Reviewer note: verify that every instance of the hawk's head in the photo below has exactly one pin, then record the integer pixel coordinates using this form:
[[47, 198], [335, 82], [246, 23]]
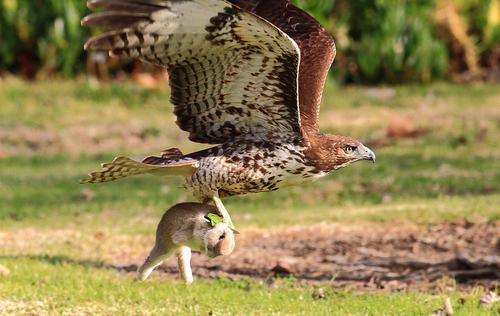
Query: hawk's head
[[336, 152]]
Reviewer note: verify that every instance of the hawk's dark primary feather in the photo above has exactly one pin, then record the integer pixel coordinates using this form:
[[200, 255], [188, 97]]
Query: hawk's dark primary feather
[[317, 51], [232, 74]]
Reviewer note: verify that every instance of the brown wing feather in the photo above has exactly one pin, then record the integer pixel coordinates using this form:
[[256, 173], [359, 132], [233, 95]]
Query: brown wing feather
[[247, 5], [232, 74], [168, 155], [317, 50]]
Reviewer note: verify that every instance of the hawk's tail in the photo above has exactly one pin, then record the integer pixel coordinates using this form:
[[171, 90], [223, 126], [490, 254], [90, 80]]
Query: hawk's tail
[[122, 167]]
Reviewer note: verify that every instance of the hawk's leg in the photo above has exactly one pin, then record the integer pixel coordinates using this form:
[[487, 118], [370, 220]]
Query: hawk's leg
[[222, 210]]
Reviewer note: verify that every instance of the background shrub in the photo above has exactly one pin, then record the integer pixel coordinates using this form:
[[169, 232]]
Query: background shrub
[[377, 40], [42, 35]]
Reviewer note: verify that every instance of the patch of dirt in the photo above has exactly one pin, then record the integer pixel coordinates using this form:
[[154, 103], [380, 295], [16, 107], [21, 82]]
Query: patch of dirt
[[368, 257], [404, 127], [371, 257]]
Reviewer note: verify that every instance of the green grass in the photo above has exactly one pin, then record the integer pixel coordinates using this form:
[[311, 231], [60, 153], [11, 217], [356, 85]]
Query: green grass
[[54, 284], [452, 173]]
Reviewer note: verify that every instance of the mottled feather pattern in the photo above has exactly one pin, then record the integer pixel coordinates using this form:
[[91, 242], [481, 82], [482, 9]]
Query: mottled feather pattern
[[238, 71], [122, 167], [250, 166], [167, 156], [317, 51], [231, 73], [146, 6]]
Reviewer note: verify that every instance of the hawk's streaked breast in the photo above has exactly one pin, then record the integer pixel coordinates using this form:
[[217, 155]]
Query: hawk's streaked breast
[[250, 167]]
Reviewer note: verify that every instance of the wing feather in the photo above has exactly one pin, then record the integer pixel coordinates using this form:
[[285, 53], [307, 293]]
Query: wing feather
[[317, 50], [232, 74]]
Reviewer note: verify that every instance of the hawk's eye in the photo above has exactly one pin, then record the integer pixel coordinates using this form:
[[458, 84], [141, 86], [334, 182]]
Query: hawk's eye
[[349, 149], [222, 237]]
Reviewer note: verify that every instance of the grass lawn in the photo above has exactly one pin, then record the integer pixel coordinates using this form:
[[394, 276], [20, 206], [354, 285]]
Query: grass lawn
[[54, 133], [43, 285]]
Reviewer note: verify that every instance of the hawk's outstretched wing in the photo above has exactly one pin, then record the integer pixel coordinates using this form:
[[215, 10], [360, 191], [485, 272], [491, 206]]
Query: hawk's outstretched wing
[[317, 51], [232, 73]]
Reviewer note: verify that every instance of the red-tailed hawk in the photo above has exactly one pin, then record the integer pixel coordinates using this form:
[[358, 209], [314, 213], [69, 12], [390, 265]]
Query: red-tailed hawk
[[245, 75]]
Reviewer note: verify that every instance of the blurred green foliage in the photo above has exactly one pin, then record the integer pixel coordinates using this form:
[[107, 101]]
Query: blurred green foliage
[[399, 40], [382, 39], [483, 17], [42, 35], [377, 40]]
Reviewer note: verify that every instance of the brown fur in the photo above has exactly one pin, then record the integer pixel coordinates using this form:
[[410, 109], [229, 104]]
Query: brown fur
[[184, 226]]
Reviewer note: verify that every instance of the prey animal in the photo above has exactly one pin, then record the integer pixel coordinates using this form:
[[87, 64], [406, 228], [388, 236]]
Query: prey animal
[[185, 227], [246, 76]]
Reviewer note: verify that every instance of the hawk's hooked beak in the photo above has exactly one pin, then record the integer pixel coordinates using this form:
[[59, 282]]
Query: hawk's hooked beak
[[367, 154]]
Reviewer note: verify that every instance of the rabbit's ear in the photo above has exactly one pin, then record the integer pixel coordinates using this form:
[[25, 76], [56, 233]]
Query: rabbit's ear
[[185, 232]]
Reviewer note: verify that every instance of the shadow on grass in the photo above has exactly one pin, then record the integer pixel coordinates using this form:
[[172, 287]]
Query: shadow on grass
[[59, 260], [461, 268]]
